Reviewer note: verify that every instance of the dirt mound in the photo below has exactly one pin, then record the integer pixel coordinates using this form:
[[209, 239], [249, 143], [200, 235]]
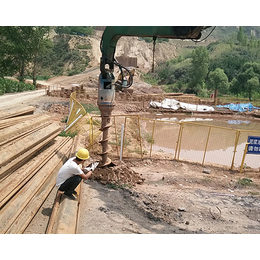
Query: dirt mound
[[119, 176], [59, 108], [128, 108]]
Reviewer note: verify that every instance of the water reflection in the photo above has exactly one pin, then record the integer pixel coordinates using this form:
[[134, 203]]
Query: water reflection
[[200, 137], [238, 122]]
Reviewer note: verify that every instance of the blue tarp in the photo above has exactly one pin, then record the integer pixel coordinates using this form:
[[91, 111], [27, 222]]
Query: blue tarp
[[239, 107]]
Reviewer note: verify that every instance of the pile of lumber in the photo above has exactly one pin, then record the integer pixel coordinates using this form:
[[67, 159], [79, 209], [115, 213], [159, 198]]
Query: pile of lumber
[[31, 155]]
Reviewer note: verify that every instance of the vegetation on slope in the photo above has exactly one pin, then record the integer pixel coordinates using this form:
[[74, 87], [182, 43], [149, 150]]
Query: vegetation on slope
[[231, 65], [29, 51]]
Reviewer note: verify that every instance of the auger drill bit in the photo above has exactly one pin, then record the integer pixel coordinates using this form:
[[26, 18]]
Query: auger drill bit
[[106, 96], [105, 114]]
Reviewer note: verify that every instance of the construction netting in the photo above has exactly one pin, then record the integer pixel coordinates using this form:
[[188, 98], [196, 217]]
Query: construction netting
[[76, 113], [79, 119]]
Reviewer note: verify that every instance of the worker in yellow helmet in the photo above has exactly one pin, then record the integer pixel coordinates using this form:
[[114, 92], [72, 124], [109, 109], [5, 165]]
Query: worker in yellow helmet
[[71, 174]]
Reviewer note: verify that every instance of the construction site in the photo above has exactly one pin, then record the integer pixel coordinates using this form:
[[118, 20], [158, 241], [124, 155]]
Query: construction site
[[163, 171], [145, 191]]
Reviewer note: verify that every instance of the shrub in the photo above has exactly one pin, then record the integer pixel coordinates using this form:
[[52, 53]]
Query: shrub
[[11, 86]]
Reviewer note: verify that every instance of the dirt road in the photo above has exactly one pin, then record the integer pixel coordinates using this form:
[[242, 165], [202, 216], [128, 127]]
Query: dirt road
[[176, 198], [16, 99]]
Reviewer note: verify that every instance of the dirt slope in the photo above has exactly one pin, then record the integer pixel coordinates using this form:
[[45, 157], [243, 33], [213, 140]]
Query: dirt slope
[[132, 47]]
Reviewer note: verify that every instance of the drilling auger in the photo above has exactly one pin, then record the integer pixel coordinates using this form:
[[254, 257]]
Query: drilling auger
[[106, 97], [107, 86]]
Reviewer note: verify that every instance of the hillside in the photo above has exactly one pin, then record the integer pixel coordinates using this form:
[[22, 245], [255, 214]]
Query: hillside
[[142, 50], [127, 46], [78, 53]]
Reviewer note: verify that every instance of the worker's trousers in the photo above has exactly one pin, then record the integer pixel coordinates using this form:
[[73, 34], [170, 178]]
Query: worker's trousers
[[70, 184]]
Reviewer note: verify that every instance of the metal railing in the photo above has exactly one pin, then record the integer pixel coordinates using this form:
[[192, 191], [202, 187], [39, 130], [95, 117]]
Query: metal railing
[[191, 141]]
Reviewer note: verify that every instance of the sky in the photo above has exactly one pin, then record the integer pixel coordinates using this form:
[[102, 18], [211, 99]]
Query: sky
[[103, 13]]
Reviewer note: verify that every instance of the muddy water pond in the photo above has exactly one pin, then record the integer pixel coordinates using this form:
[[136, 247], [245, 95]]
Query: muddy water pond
[[205, 139]]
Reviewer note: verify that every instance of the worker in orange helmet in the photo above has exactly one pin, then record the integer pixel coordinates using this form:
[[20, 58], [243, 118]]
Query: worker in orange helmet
[[71, 174]]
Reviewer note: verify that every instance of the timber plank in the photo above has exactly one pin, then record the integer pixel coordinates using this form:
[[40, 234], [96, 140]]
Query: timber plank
[[14, 120], [55, 225], [14, 207], [35, 203], [66, 220], [17, 112], [14, 150], [22, 159], [9, 186], [22, 127], [54, 213], [16, 138]]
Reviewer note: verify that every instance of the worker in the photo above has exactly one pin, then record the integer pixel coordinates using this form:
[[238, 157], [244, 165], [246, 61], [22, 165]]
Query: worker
[[71, 174]]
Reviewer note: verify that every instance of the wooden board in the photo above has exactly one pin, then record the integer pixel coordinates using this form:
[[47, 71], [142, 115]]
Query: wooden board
[[25, 144], [9, 186], [17, 112], [15, 206]]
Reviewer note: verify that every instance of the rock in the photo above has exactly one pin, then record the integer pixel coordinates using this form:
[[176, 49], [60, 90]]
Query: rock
[[105, 210], [181, 209], [136, 194], [207, 171], [146, 202]]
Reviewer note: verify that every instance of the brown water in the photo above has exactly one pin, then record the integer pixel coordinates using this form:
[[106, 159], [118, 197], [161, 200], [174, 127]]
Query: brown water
[[221, 138]]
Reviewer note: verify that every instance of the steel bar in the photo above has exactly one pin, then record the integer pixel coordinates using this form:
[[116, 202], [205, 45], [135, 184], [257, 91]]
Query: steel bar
[[206, 146], [235, 148]]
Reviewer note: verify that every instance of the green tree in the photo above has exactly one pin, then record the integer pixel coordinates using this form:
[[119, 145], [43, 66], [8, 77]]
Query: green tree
[[20, 46], [252, 86], [19, 38], [61, 57], [218, 80], [74, 30], [247, 78], [235, 87], [199, 69], [40, 45], [232, 61], [241, 36], [8, 52]]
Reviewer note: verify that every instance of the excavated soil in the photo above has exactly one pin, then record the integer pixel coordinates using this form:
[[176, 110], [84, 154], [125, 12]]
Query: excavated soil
[[120, 174]]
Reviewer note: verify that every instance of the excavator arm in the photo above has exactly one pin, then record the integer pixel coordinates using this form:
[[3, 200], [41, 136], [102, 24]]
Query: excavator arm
[[112, 34], [106, 91]]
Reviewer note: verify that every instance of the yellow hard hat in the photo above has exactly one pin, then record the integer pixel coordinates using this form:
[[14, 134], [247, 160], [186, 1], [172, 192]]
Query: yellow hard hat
[[82, 154]]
